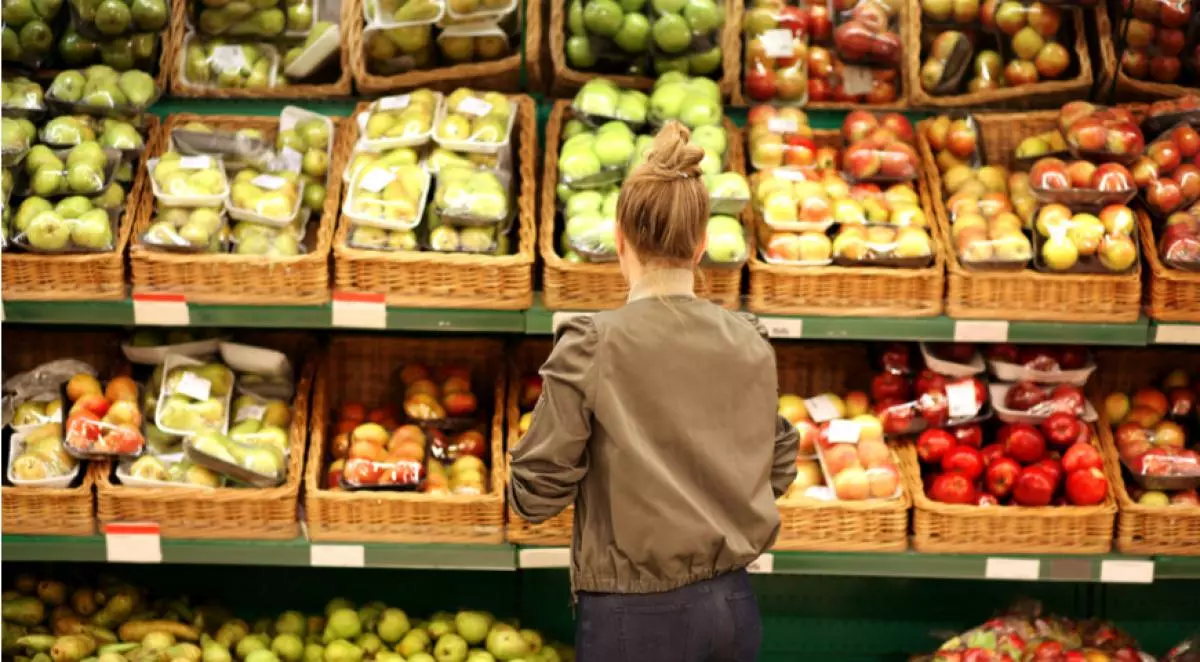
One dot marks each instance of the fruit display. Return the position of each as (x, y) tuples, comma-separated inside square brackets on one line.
[(600, 100), (1179, 241), (265, 19), (777, 57), (106, 20), (158, 471), (216, 63), (37, 458), (1081, 182), (193, 397), (1154, 42), (28, 39), (188, 181), (1103, 242), (75, 224), (906, 403), (85, 169), (391, 197), (21, 97), (442, 396), (1025, 633), (103, 422), (250, 462), (1151, 429), (1043, 364), (110, 616), (867, 32), (466, 196), (407, 35), (471, 121), (271, 198), (782, 138), (879, 148), (644, 38), (1168, 174), (404, 120), (1098, 134), (102, 90), (186, 228), (1166, 113)]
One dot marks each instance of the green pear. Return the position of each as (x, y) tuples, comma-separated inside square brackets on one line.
[(36, 37), (138, 88), (113, 18), (76, 49), (149, 15), (18, 12)]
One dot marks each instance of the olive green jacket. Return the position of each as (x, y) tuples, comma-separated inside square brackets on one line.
[(658, 421)]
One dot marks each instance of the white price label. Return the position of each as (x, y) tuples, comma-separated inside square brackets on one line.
[(249, 413), (474, 106), (782, 125), (193, 386), (549, 557), (376, 179), (962, 399), (227, 57), (337, 556), (360, 310), (778, 43), (821, 408), (789, 174), (1127, 572), (132, 543), (857, 80), (160, 310), (291, 159), (1177, 334), (398, 102), (980, 331), (560, 318), (763, 565), (783, 327), (1018, 569), (842, 431), (269, 182), (198, 162)]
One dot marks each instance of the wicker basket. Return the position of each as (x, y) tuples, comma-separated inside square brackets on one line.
[(503, 75), (80, 276), (229, 513), (1043, 94), (1028, 294), (557, 530), (851, 291), (873, 525), (537, 56), (451, 280), (67, 511), (226, 278), (1126, 88), (181, 88), (587, 286), (1173, 294), (1143, 529), (566, 81), (359, 368)]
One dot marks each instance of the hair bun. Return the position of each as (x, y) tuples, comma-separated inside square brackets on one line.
[(672, 153)]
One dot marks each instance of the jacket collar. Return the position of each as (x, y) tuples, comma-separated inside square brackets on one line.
[(663, 283)]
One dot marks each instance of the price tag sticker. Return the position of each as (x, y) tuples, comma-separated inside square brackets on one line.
[(1016, 569), (782, 125), (778, 43), (962, 399), (783, 327), (548, 557), (763, 565), (474, 106), (198, 162), (842, 431), (857, 80), (269, 182), (160, 310), (193, 386), (249, 413), (789, 174), (396, 102), (1126, 572), (227, 57), (291, 159), (821, 408), (980, 331), (560, 318), (337, 556), (1177, 334), (376, 179), (359, 310), (132, 542)]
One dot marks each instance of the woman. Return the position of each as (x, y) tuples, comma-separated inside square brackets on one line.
[(658, 421)]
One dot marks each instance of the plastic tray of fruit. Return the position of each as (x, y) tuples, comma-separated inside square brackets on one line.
[(396, 476), (939, 402), (410, 156), (41, 462), (947, 60), (36, 410), (1179, 240), (251, 464), (189, 385), (600, 101), (1169, 173), (1096, 133), (1044, 365), (866, 32), (472, 122), (169, 470), (1164, 468), (880, 245), (85, 169), (475, 239), (403, 120), (184, 230), (452, 405), (269, 198), (269, 386), (320, 44), (1081, 183), (1162, 115), (212, 63), (468, 196), (1028, 402), (880, 148), (1105, 242), (100, 90), (300, 132), (595, 242), (857, 468), (94, 439), (403, 14), (776, 58), (241, 147), (91, 231), (728, 193), (210, 191), (23, 97), (1036, 147), (810, 248), (245, 358), (388, 197), (580, 167), (953, 359)]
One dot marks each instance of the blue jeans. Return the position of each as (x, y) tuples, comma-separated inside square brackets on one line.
[(715, 620)]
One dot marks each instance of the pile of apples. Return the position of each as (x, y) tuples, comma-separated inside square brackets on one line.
[(1032, 32), (866, 32), (832, 78), (103, 421), (1155, 40), (1151, 428), (777, 57), (1100, 133), (437, 395), (1169, 173), (1179, 244), (1082, 241), (879, 147), (627, 38)]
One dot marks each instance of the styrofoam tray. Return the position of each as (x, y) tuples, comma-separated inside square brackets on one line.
[(394, 102), (257, 360), (997, 392), (173, 361), (315, 55), (477, 147), (215, 200), (950, 368), (156, 355), (1011, 372), (16, 444)]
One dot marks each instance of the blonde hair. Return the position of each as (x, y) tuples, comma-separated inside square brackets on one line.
[(663, 207)]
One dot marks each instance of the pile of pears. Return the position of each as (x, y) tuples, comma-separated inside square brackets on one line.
[(108, 19), (101, 87), (401, 35), (27, 36)]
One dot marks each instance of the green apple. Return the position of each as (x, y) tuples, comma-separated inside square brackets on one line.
[(584, 202), (598, 96), (703, 16), (634, 35), (671, 33), (580, 54), (666, 101), (633, 106), (668, 6), (699, 112), (603, 17), (704, 63), (67, 86), (710, 137)]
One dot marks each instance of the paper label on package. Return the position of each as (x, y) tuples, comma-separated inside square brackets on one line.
[(226, 58), (269, 182), (199, 162), (291, 159), (398, 102), (782, 125), (474, 106), (375, 180), (962, 399), (778, 43), (249, 413), (842, 431), (789, 174), (193, 386), (821, 408), (857, 80)]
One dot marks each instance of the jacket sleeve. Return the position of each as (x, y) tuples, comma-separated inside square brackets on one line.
[(551, 459), (787, 446)]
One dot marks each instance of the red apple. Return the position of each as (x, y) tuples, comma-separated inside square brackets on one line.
[(964, 460), (991, 453), (1111, 177), (1061, 429), (1082, 456), (953, 488), (1068, 398), (968, 435), (1024, 443), (889, 386), (1050, 173), (1002, 476), (1086, 487), (1034, 487), (1052, 466), (933, 444), (1024, 395)]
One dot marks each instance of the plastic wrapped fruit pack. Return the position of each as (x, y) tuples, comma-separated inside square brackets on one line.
[(1066, 364), (866, 32), (1169, 172), (404, 120), (1166, 113), (471, 121), (405, 35), (103, 423), (1086, 241), (1156, 42), (776, 57), (1080, 182), (600, 101), (695, 101), (1099, 134), (73, 225), (1151, 430), (650, 38), (1032, 35), (879, 148), (782, 138), (1179, 239), (84, 169), (815, 199), (101, 90)]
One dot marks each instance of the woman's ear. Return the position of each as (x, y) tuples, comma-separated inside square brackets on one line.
[(700, 250)]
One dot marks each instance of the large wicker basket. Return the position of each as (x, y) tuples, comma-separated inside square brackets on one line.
[(359, 369), (592, 286), (1173, 295), (231, 513), (557, 530), (566, 81), (537, 55), (1142, 529), (1043, 94), (451, 280), (874, 525), (68, 511), (503, 75), (80, 276), (239, 279), (1027, 294), (340, 87), (1126, 88), (851, 291)]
